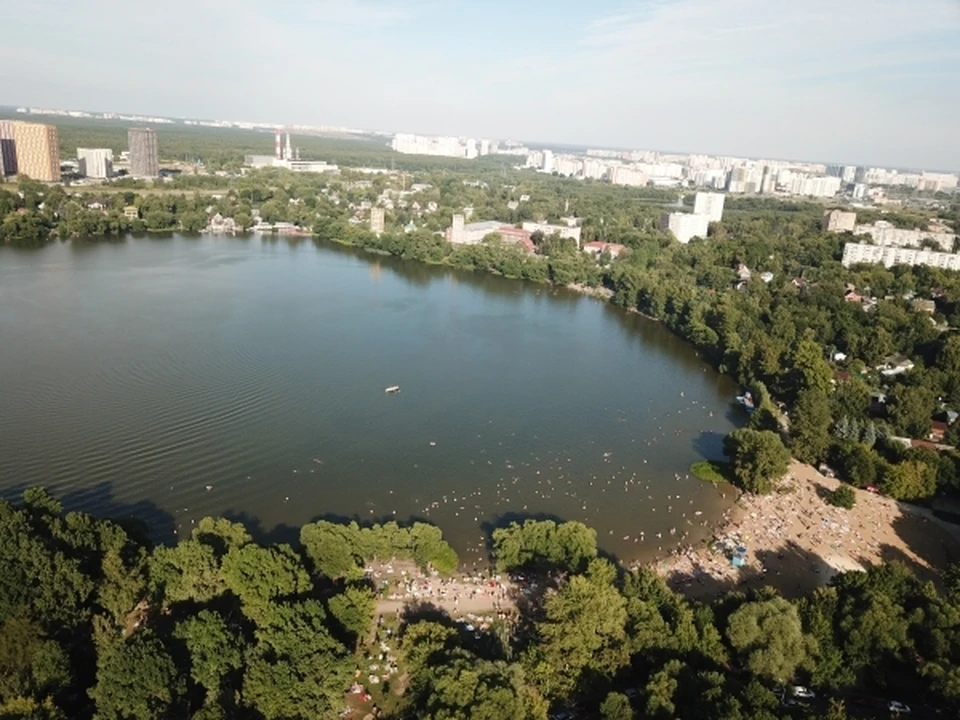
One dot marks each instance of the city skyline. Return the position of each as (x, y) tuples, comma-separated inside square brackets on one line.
[(748, 78)]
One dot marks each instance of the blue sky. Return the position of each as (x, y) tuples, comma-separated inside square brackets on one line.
[(861, 81)]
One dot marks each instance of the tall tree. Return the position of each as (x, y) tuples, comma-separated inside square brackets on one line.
[(769, 637), (810, 426), (759, 458)]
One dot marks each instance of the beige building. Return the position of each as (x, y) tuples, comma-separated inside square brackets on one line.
[(38, 151), (837, 221)]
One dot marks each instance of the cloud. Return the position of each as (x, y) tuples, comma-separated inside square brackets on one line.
[(855, 80), (752, 76)]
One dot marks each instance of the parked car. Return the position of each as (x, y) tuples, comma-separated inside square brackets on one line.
[(803, 692), (895, 706)]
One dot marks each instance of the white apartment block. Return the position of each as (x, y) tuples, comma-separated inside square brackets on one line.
[(685, 226), (825, 186), (709, 177), (595, 169), (564, 231), (95, 162), (567, 165), (854, 253), (886, 235), (709, 204), (435, 145), (547, 165), (627, 175)]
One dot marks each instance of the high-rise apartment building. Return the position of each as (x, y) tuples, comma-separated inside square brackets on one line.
[(8, 149), (38, 151), (143, 152), (709, 204), (95, 162)]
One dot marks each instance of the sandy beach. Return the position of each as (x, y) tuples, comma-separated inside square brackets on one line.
[(402, 584), (796, 541)]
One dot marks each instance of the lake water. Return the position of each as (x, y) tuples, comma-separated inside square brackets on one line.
[(173, 378)]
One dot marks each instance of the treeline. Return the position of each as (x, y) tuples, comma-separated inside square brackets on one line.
[(94, 622), (785, 333)]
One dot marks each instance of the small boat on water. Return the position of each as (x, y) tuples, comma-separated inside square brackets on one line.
[(747, 401), (392, 389)]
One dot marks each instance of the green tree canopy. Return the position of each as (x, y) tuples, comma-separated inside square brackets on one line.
[(759, 458)]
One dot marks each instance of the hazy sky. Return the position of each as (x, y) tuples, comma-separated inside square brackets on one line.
[(863, 81)]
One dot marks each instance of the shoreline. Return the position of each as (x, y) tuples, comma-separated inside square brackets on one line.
[(795, 541)]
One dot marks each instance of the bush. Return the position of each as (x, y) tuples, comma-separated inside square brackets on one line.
[(712, 471), (844, 496)]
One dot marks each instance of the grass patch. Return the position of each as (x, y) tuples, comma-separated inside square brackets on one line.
[(712, 471)]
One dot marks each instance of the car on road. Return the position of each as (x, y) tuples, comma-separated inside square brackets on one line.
[(897, 707)]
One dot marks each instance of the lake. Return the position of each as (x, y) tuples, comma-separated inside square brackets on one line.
[(176, 377)]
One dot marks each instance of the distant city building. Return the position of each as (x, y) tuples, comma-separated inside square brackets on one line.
[(837, 221), (595, 169), (886, 235), (143, 152), (768, 183), (685, 226), (95, 162), (938, 182), (854, 253), (627, 175), (38, 151), (376, 220), (709, 204), (564, 231), (300, 166), (746, 179), (460, 233), (813, 186), (567, 165), (438, 145), (547, 165), (8, 149), (849, 174)]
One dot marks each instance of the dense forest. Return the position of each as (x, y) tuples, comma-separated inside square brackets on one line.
[(96, 622)]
